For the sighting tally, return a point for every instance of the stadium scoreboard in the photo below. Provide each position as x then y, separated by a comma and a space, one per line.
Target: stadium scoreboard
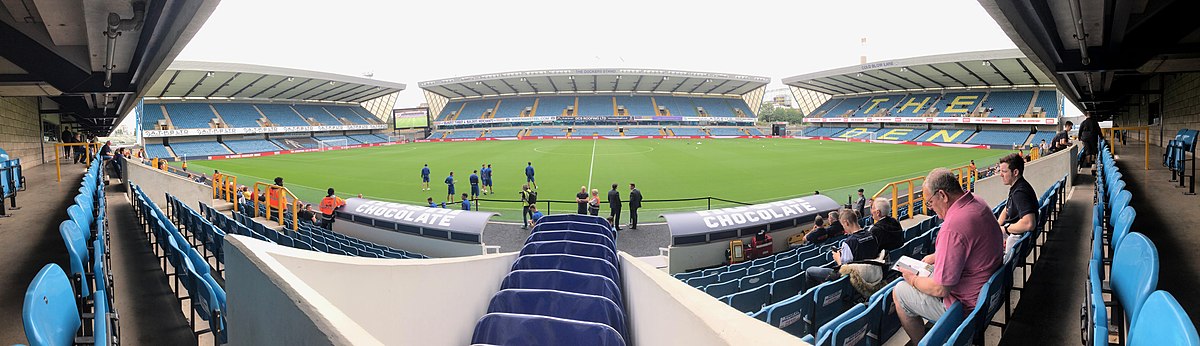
410, 118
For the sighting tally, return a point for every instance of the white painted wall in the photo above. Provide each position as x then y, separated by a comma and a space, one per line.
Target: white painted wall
431, 247
155, 183
664, 311
352, 300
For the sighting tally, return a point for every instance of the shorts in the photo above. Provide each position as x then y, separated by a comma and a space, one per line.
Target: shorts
487, 182
474, 190
920, 304
425, 178
529, 178
450, 189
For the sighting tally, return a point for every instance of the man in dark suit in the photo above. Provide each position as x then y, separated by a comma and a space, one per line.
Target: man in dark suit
614, 206
635, 202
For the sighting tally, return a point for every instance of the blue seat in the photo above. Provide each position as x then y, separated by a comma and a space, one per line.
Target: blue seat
583, 237
567, 262
831, 299
786, 259
722, 289
566, 305
945, 326
49, 314
835, 332
881, 314
750, 300
793, 315
703, 280
1096, 331
1162, 321
732, 275
754, 281
518, 329
100, 335
786, 271
77, 254
1134, 272
788, 287
766, 266
563, 281
684, 276
570, 247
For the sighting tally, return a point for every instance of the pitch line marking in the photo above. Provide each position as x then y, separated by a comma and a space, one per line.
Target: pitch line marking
592, 165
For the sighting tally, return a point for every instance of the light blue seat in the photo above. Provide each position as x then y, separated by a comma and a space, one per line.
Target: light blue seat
518, 329
568, 262
721, 289
1096, 332
560, 280
566, 305
749, 300
49, 314
684, 276
945, 326
881, 313
77, 254
1134, 272
1162, 321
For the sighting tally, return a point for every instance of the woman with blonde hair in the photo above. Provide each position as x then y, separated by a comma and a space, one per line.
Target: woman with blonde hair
593, 203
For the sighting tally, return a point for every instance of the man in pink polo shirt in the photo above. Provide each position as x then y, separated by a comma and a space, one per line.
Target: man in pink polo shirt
969, 250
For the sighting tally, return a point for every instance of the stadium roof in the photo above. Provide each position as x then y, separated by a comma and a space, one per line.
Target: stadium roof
1103, 52
59, 50
983, 69
595, 80
218, 80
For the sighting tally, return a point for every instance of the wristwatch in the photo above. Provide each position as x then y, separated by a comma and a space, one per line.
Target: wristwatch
1006, 228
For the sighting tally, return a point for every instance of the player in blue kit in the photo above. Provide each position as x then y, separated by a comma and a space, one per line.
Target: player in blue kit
483, 177
529, 175
425, 178
450, 188
474, 179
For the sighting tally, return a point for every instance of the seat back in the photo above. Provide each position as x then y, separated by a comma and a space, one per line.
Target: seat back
788, 287
750, 300
518, 329
1122, 222
1162, 321
567, 262
754, 281
721, 289
703, 280
793, 315
563, 281
786, 271
1134, 272
831, 299
49, 314
732, 275
945, 326
585, 307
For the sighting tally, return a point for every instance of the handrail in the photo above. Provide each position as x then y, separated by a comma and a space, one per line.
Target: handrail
91, 150
225, 188
966, 178
283, 196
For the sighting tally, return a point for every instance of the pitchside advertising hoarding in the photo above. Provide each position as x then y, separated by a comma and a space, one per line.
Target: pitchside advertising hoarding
409, 118
727, 223
451, 224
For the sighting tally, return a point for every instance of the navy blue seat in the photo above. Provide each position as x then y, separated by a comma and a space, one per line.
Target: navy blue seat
721, 289
848, 328
583, 237
568, 262
519, 329
793, 315
702, 281
50, 315
750, 300
583, 307
570, 247
563, 281
754, 281
831, 299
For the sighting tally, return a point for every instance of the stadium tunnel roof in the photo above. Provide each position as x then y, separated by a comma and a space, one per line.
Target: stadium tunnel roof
594, 80
198, 80
982, 69
1102, 52
61, 50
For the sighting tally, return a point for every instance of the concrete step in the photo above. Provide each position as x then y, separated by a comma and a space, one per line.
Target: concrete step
269, 224
221, 205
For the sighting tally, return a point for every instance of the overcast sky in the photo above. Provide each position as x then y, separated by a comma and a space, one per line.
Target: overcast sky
413, 41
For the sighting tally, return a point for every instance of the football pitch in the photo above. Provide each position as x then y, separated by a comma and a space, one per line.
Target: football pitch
742, 170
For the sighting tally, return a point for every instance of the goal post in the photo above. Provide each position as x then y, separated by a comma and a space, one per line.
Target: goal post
392, 138
329, 144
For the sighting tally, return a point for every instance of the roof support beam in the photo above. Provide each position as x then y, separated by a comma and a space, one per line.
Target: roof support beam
222, 86
972, 73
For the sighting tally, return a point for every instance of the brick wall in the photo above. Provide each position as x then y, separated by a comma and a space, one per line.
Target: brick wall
21, 129
1180, 107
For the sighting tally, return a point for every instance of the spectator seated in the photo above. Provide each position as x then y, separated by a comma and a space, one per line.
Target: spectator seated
190, 115
194, 149
1007, 138
251, 146
238, 114
1008, 104
1038, 137
282, 115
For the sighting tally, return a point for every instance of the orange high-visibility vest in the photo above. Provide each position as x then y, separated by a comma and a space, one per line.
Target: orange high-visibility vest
328, 204
275, 197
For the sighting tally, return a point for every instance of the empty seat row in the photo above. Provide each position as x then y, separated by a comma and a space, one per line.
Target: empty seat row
11, 180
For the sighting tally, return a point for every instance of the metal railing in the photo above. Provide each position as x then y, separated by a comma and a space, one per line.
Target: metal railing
906, 192
224, 187
573, 204
280, 193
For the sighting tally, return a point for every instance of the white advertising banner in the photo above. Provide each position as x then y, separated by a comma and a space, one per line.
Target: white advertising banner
253, 130
937, 120
497, 120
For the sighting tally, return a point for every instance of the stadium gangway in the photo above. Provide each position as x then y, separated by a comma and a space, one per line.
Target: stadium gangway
284, 194
90, 148
1109, 134
225, 188
908, 191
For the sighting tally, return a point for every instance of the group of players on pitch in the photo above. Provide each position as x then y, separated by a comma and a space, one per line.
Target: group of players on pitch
480, 179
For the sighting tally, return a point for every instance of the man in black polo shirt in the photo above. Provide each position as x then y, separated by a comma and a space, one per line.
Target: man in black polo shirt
581, 199
1062, 140
885, 228
859, 245
1021, 212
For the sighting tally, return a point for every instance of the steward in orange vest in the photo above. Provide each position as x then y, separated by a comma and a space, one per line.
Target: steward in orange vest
329, 205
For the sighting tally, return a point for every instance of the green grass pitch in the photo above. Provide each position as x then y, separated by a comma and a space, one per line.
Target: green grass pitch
744, 170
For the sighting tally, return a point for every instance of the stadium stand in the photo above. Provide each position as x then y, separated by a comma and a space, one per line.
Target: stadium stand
76, 305
856, 132
1038, 137
999, 137
959, 104
714, 107
475, 109
156, 151
740, 104
946, 136
449, 110
513, 107
282, 115
826, 107
1008, 103
822, 131
547, 131
238, 114
688, 131
879, 105
346, 112
642, 131
317, 113
557, 291
151, 114
336, 138
367, 138
898, 134
464, 134
295, 143
503, 133
754, 131
916, 104
1047, 100
251, 146
190, 115
595, 131
595, 106
636, 105
726, 131
677, 106
553, 105
845, 106
191, 149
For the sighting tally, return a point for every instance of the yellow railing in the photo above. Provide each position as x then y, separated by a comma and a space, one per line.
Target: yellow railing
281, 193
90, 149
909, 190
225, 188
1145, 130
